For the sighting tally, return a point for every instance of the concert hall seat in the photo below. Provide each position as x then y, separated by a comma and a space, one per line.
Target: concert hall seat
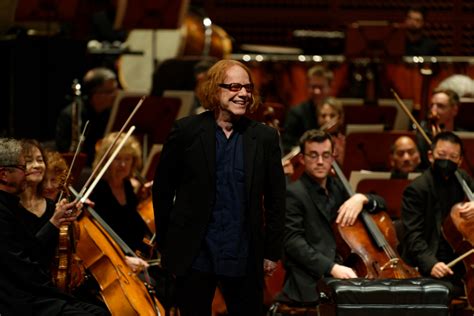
468, 160
370, 151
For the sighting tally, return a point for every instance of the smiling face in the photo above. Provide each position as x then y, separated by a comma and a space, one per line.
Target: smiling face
235, 103
35, 166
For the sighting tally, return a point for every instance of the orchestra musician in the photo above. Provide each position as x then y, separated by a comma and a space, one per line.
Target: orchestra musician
303, 117
218, 197
39, 214
25, 287
98, 92
313, 203
404, 158
426, 202
56, 171
114, 197
331, 110
443, 109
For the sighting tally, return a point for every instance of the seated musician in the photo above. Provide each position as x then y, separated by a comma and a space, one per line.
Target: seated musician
443, 109
39, 213
313, 203
56, 171
404, 158
25, 287
114, 197
303, 117
427, 201
331, 119
99, 90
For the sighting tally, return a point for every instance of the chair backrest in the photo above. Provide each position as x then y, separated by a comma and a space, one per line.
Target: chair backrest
370, 115
465, 117
370, 151
149, 167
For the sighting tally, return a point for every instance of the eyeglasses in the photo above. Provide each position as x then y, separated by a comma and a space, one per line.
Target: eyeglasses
315, 156
20, 167
236, 87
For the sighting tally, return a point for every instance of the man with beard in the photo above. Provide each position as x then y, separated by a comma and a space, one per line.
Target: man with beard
417, 44
25, 287
426, 203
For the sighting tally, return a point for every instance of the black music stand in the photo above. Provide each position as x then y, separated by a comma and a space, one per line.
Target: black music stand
153, 120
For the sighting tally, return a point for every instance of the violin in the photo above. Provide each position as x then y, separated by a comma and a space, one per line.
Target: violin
67, 269
369, 246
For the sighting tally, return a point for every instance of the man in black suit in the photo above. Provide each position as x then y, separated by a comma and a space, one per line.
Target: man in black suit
313, 203
25, 287
427, 202
218, 197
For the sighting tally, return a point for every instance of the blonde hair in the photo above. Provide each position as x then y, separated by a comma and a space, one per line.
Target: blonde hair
131, 146
208, 92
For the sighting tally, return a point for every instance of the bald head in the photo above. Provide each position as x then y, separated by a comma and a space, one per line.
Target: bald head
404, 157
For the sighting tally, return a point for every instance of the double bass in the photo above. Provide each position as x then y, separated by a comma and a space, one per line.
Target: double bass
369, 246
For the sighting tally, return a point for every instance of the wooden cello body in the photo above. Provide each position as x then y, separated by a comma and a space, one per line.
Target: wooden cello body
369, 246
459, 233
122, 291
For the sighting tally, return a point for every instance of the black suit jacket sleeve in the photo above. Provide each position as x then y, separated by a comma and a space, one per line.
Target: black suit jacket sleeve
274, 201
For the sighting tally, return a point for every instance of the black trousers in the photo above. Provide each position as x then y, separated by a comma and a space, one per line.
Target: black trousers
195, 292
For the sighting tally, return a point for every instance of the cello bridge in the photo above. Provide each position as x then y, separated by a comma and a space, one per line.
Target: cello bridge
391, 263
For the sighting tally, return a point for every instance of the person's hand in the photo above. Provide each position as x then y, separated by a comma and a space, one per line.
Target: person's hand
466, 210
136, 264
269, 267
342, 272
288, 168
65, 212
440, 270
350, 209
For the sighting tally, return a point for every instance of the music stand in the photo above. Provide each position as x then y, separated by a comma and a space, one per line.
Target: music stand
375, 40
153, 120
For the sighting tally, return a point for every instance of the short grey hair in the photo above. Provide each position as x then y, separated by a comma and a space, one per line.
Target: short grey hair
10, 151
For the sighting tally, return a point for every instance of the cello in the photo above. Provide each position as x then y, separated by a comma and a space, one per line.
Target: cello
103, 254
459, 233
369, 246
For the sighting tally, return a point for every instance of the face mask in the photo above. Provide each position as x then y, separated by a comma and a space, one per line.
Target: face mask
444, 167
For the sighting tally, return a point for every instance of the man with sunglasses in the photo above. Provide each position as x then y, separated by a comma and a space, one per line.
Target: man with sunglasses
313, 204
218, 197
25, 288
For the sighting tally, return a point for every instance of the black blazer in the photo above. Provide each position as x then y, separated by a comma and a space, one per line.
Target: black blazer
309, 245
422, 217
184, 191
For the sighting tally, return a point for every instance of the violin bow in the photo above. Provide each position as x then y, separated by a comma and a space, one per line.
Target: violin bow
412, 118
99, 164
76, 153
